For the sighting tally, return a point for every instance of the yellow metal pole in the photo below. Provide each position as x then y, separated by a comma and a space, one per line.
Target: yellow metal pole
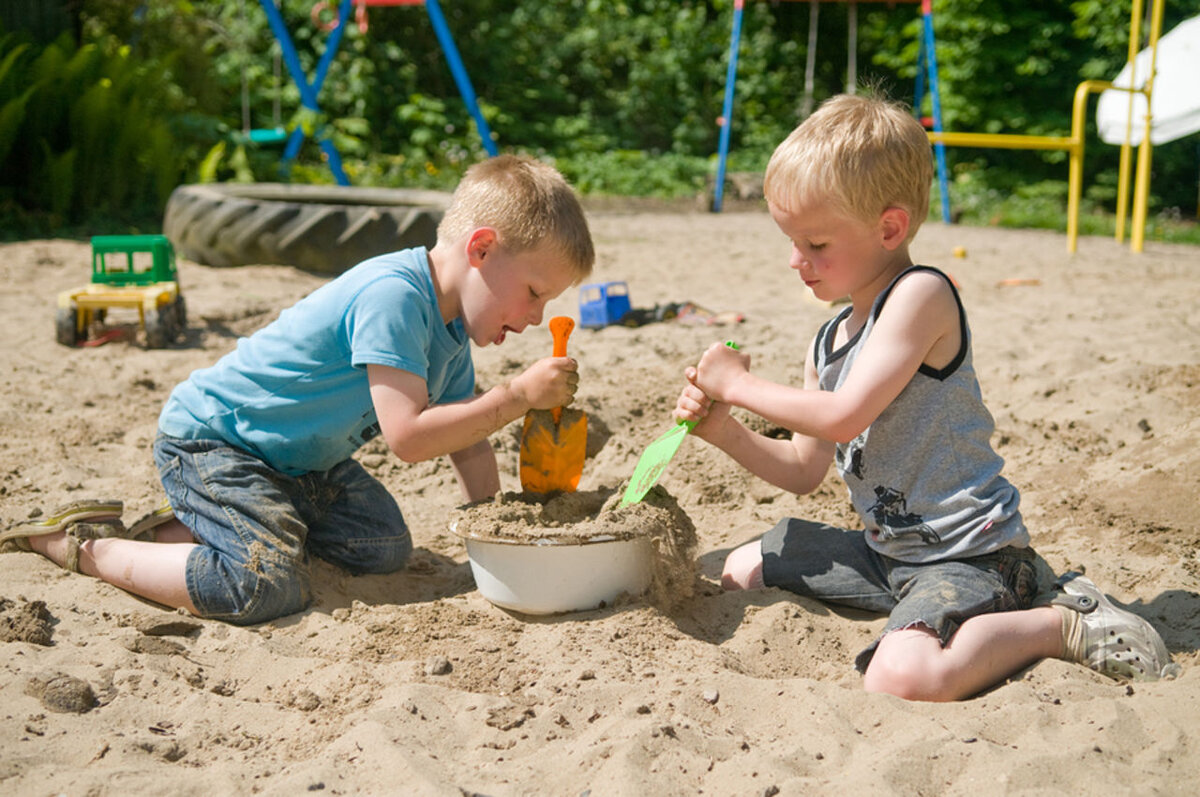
1135, 44
1075, 172
1141, 190
1076, 149
999, 140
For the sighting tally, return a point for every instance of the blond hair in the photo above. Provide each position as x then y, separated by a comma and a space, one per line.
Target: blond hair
860, 154
528, 203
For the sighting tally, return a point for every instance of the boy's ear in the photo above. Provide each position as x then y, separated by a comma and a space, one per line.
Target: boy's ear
893, 227
480, 244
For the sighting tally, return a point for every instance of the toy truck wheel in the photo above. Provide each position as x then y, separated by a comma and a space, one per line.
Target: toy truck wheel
158, 328
66, 326
179, 307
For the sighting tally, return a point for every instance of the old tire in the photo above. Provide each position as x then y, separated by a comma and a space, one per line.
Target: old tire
318, 228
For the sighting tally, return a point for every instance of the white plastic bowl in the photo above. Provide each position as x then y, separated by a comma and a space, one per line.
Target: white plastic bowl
553, 577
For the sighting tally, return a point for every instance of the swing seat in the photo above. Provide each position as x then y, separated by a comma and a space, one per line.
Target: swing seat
268, 136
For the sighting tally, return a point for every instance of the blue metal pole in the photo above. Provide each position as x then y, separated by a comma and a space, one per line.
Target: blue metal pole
442, 30
727, 111
308, 92
939, 148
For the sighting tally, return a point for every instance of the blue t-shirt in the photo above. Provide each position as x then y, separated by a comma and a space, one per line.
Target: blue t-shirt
295, 393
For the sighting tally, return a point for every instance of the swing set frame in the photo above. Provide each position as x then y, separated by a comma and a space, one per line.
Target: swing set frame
310, 89
1072, 144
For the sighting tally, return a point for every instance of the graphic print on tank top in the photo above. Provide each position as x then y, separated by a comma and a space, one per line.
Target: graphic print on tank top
890, 509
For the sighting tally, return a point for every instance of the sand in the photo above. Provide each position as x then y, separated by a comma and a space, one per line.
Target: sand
415, 684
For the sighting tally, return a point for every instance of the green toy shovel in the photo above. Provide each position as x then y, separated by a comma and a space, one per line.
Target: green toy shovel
656, 457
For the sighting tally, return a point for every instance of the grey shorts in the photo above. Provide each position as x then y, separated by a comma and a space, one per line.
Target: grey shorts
837, 566
256, 527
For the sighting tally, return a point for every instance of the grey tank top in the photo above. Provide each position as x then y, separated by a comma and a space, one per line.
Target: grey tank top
924, 477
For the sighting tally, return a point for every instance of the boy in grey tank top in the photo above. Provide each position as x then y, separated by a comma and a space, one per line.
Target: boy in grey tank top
890, 395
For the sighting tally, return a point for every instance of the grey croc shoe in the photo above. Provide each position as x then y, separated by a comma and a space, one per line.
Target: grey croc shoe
1114, 641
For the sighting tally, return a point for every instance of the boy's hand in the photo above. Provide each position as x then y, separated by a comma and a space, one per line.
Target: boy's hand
693, 405
719, 370
548, 383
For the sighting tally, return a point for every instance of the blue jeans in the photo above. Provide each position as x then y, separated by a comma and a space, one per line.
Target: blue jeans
256, 527
837, 566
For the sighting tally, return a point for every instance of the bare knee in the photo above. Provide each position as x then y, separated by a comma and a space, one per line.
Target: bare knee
909, 683
908, 667
743, 568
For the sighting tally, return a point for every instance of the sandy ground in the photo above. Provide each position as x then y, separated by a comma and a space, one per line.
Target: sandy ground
415, 684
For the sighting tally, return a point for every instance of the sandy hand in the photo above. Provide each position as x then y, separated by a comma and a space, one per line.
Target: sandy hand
548, 383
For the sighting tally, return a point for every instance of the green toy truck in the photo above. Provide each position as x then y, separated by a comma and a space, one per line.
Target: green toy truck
135, 271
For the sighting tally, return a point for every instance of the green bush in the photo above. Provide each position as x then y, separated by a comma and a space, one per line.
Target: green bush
624, 96
83, 131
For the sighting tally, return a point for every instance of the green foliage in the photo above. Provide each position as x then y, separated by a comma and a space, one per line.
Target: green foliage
623, 95
83, 130
635, 173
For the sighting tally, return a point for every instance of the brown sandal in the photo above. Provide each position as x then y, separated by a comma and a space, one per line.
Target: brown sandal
78, 533
147, 523
104, 511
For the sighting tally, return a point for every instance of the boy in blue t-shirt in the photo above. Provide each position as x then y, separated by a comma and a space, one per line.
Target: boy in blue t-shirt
890, 396
255, 452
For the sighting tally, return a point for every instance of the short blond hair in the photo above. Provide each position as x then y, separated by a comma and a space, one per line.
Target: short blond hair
528, 203
860, 154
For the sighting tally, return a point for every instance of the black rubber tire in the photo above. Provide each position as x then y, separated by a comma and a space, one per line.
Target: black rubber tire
158, 324
65, 329
180, 320
319, 228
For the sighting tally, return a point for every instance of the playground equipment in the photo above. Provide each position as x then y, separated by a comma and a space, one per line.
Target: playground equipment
1072, 144
311, 89
927, 60
320, 228
1122, 116
1176, 111
120, 278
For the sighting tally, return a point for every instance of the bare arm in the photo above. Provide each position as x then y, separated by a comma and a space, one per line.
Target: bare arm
919, 323
475, 467
797, 465
415, 431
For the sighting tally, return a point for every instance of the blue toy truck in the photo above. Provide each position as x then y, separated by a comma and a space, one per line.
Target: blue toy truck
603, 303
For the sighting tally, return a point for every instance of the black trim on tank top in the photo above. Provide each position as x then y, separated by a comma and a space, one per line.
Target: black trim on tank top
939, 374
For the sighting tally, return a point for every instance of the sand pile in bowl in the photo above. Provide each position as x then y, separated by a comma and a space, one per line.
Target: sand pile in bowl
593, 515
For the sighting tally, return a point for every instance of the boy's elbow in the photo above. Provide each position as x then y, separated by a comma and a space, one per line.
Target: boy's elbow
848, 415
798, 486
844, 431
843, 427
408, 449
408, 456
843, 436
807, 483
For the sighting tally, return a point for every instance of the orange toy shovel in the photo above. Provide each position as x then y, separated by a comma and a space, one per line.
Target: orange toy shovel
554, 442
